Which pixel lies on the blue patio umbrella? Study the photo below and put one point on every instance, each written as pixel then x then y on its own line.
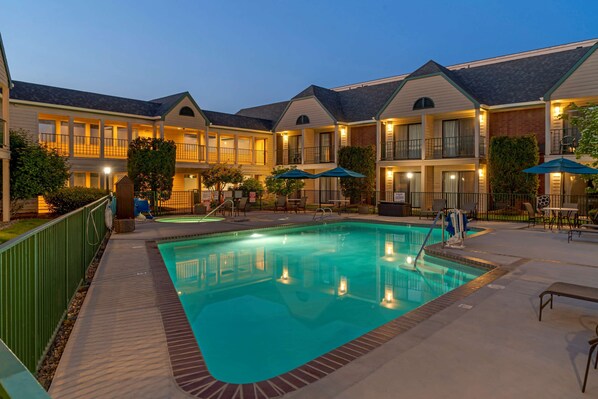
pixel 562 165
pixel 339 172
pixel 295 174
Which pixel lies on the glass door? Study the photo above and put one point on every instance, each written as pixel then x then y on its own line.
pixel 325 150
pixel 457 186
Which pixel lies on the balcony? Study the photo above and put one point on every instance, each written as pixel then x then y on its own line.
pixel 244 156
pixel 58 142
pixel 564 141
pixel 453 147
pixel 115 148
pixel 190 152
pixel 291 156
pixel 401 150
pixel 322 154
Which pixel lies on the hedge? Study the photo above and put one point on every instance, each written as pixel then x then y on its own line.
pixel 68 199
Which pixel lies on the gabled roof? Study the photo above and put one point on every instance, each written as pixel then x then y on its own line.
pixel 328 98
pixel 238 121
pixel 363 103
pixel 167 103
pixel 5 61
pixel 81 99
pixel 270 112
pixel 520 80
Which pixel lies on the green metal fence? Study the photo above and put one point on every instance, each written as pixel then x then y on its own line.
pixel 15 380
pixel 40 272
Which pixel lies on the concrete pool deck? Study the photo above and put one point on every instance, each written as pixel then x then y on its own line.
pixel 489 344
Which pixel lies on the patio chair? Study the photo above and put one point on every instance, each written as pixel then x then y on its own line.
pixel 471 210
pixel 593 343
pixel 532 215
pixel 569 216
pixel 581 292
pixel 300 205
pixel 242 205
pixel 437 206
pixel 227 207
pixel 281 203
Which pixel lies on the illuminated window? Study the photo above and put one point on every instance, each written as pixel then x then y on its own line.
pixel 423 103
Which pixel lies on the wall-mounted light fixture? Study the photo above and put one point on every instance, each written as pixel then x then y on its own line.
pixel 409 175
pixel 481 172
pixel 388 127
pixel 557 109
pixel 481 117
pixel 343 131
pixel 389 174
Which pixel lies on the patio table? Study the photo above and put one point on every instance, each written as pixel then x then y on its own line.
pixel 555 216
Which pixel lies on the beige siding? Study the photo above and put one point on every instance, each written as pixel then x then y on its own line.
pixel 174 119
pixel 318 116
pixel 3 72
pixel 23 117
pixel 445 96
pixel 582 83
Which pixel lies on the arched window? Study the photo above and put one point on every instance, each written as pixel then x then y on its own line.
pixel 423 103
pixel 186 111
pixel 302 120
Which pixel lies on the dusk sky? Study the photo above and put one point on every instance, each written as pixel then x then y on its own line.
pixel 235 54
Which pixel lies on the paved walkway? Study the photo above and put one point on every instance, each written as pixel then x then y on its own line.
pixel 492 348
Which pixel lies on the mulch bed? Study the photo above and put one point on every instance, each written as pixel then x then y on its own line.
pixel 48 367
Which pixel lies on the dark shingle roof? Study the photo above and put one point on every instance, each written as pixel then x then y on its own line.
pixel 239 121
pixel 166 103
pixel 520 80
pixel 270 112
pixel 363 103
pixel 81 99
pixel 328 98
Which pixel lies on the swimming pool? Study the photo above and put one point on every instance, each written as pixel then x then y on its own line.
pixel 261 303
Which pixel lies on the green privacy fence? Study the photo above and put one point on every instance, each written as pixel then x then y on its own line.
pixel 40 272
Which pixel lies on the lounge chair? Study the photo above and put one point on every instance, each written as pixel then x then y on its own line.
pixel 581 292
pixel 437 206
pixel 584 228
pixel 593 343
pixel 281 203
pixel 471 210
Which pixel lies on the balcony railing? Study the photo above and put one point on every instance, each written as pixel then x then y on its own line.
pixel 115 148
pixel 227 155
pixel 564 141
pixel 260 157
pixel 401 149
pixel 58 142
pixel 289 157
pixel 244 156
pixel 86 146
pixel 322 154
pixel 451 147
pixel 190 152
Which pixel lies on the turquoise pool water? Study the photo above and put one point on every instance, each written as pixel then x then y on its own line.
pixel 261 303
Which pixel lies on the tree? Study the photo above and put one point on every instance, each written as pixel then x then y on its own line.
pixel 251 185
pixel 219 175
pixel 508 156
pixel 151 165
pixel 585 119
pixel 283 186
pixel 361 160
pixel 34 169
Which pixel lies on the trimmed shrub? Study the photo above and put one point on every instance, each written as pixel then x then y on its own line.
pixel 68 199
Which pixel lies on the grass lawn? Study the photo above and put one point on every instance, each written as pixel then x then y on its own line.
pixel 20 227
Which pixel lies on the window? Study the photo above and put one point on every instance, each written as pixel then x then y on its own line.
pixel 121 133
pixel 94 180
pixel 79 179
pixel 186 111
pixel 78 129
pixel 458 137
pixel 423 103
pixel 189 138
pixel 94 131
pixel 302 120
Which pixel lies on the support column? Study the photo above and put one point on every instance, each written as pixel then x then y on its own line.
pixel 236 147
pixel 253 154
pixel 476 135
pixel 275 148
pixel 207 142
pixel 217 148
pixel 6 115
pixel 302 149
pixel 129 132
pixel 71 138
pixel 154 130
pixel 423 143
pixel 378 152
pixel 161 129
pixel 101 138
pixel 336 143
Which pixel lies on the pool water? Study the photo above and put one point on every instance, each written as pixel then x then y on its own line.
pixel 264 302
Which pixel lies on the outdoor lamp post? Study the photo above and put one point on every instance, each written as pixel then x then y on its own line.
pixel 107 171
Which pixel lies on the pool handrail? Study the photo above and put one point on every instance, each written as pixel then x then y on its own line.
pixel 218 207
pixel 440 214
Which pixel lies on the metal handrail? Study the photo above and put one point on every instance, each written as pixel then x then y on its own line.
pixel 440 213
pixel 323 213
pixel 218 207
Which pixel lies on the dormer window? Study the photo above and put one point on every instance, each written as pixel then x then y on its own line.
pixel 302 120
pixel 423 103
pixel 186 111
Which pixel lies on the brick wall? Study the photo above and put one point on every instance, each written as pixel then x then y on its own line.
pixel 519 123
pixel 362 136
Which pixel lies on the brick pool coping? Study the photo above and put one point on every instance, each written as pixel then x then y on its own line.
pixel 191 372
